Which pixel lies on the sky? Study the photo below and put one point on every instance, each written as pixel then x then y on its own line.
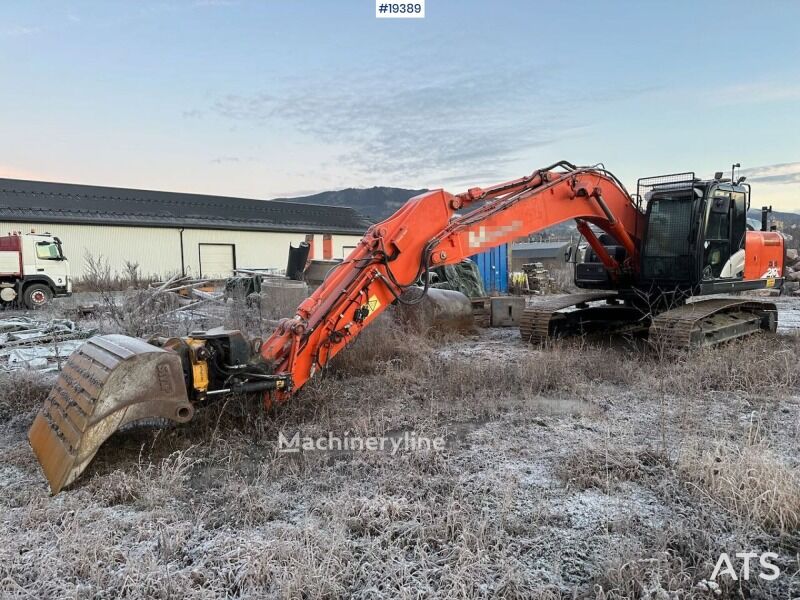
pixel 276 98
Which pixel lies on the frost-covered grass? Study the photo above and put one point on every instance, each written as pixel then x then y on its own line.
pixel 575 470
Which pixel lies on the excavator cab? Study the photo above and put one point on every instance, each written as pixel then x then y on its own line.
pixel 695 239
pixel 695 234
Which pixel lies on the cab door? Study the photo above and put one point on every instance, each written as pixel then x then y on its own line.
pixel 738 220
pixel 724 241
pixel 50 262
pixel 717 235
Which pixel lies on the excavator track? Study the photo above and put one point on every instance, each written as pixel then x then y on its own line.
pixel 540 321
pixel 710 322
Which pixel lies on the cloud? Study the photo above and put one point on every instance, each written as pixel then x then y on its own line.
pixel 782 173
pixel 214 3
pixel 219 160
pixel 754 92
pixel 414 125
pixel 19 31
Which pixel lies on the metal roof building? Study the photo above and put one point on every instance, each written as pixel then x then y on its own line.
pixel 168 232
pixel 539 249
pixel 551 254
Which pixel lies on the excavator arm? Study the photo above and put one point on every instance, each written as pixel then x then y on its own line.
pixel 114 380
pixel 431 230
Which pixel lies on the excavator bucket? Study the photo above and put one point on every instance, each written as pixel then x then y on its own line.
pixel 110 381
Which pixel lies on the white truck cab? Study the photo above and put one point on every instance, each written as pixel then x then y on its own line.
pixel 33 269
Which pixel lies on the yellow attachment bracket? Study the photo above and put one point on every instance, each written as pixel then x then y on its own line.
pixel 199 366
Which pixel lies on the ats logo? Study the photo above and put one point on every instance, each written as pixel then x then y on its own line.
pixel 768 571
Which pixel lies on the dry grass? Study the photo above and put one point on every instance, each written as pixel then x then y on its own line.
pixel 582 501
pixel 385 342
pixel 751 482
pixel 148 485
pixel 762 365
pixel 656 576
pixel 21 393
pixel 410 364
pixel 606 467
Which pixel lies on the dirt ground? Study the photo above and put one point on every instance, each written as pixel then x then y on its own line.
pixel 578 470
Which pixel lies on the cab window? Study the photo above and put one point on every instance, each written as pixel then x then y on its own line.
pixel 47 251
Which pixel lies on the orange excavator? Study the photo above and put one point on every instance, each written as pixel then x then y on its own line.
pixel 649 256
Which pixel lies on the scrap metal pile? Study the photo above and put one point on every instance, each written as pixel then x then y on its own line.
pixel 42 344
pixel 186 293
pixel 533 279
pixel 792 272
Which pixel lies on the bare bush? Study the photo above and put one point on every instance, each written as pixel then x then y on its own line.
pixel 132 274
pixel 129 304
pixel 99 277
pixel 142 312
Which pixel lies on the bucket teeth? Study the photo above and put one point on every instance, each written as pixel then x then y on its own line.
pixel 110 381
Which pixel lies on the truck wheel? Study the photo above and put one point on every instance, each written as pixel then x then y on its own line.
pixel 37 296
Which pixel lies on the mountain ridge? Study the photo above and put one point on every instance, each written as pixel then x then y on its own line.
pixel 375 203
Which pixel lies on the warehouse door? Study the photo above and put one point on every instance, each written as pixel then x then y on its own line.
pixel 217 260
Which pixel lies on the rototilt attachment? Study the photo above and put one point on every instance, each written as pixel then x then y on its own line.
pixel 111 380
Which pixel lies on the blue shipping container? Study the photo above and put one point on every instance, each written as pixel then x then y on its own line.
pixel 493 265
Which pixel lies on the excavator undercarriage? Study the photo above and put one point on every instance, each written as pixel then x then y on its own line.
pixel 575 314
pixel 712 321
pixel 702 323
pixel 682 236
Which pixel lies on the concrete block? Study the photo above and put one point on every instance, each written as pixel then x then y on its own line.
pixel 507 310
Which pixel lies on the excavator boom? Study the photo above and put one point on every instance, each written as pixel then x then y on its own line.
pixel 431 231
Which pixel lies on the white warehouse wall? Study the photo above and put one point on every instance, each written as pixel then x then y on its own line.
pixel 157 250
